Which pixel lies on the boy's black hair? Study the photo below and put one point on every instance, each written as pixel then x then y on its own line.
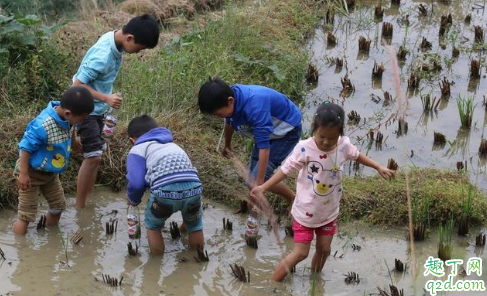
pixel 329 114
pixel 214 95
pixel 78 100
pixel 141 125
pixel 145 30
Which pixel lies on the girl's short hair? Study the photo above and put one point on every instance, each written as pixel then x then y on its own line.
pixel 329 114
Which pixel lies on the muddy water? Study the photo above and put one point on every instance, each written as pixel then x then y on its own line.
pixel 415 148
pixel 37 264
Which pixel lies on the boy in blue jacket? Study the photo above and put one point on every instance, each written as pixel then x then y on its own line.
pixel 268 116
pixel 44 154
pixel 156 162
pixel 97 72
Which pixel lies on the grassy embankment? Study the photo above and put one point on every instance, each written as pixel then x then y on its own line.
pixel 260 44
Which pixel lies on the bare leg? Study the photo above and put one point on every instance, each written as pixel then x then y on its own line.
pixel 284 191
pixel 52 220
pixel 196 238
pixel 323 249
pixel 86 179
pixel 299 253
pixel 156 242
pixel 20 227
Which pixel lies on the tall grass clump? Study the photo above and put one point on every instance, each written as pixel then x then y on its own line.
pixel 445 233
pixel 465 110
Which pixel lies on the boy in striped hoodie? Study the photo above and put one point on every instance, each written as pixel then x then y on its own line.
pixel 156 162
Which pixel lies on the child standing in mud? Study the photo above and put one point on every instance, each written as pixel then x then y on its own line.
pixel 158 163
pixel 97 73
pixel 268 116
pixel 44 153
pixel 319 160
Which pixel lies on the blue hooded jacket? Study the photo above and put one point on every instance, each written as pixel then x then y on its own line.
pixel 48 140
pixel 155 161
pixel 263 113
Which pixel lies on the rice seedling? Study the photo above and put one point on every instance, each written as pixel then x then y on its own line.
pixel 423 11
pixel 312 74
pixel 413 81
pixel 396 2
pixel 479 34
pixel 445 233
pixel 379 12
pixel 329 17
pixel 2 254
pixel 387 30
pixel 331 39
pixel 461 166
pixel 425 44
pixel 133 249
pixel 227 225
pixel 464 221
pixel 338 63
pixel 347 86
pixel 378 140
pixel 239 273
pixel 353 117
pixel 475 69
pixel 352 278
pixel 420 218
pixel 468 19
pixel 455 52
pixel 42 222
pixel 363 44
pixel 111 226
pixel 202 254
pixel 111 281
pixel 483 148
pixel 402 53
pixel 174 230
pixel 445 87
pixel 377 70
pixel 398 265
pixel 394 291
pixel 387 97
pixel 392 164
pixel 356 247
pixel 465 110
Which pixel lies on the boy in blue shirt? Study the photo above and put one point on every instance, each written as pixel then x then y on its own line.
pixel 97 72
pixel 44 153
pixel 156 162
pixel 268 116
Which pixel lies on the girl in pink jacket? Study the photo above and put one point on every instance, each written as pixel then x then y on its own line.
pixel 319 160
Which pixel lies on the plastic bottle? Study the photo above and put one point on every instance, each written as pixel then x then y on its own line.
pixel 252 224
pixel 110 125
pixel 133 223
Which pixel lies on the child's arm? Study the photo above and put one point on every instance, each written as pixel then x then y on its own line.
pixel 262 165
pixel 114 100
pixel 24 179
pixel 136 170
pixel 227 149
pixel 384 172
pixel 75 144
pixel 258 191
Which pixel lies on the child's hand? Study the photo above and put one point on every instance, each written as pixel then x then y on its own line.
pixel 227 152
pixel 386 173
pixel 23 181
pixel 114 100
pixel 76 146
pixel 257 192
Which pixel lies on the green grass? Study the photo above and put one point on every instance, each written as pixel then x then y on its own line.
pixel 465 111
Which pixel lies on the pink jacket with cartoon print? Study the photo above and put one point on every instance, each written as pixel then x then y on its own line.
pixel 319 183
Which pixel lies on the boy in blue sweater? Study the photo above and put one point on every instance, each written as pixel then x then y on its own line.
pixel 156 162
pixel 44 154
pixel 268 116
pixel 97 72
